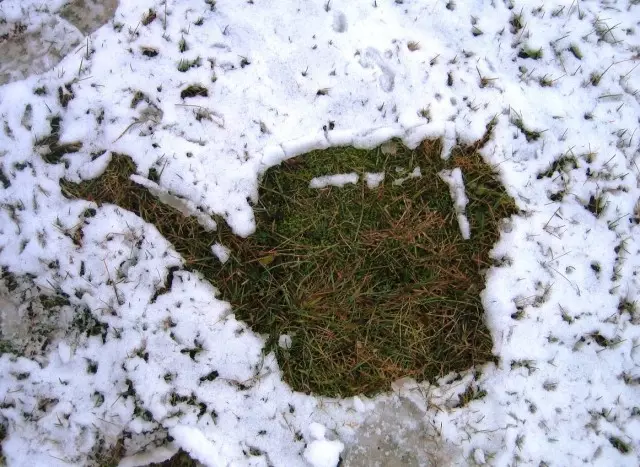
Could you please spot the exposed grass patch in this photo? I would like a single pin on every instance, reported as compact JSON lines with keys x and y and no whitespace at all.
{"x":65,"y":95}
{"x":149,"y":17}
{"x":6,"y":183}
{"x":563,"y":164}
{"x":149,"y":51}
{"x":530,"y":135}
{"x":575,"y":50}
{"x":371,"y":284}
{"x":185,"y":65}
{"x":620,"y":445}
{"x":114,"y":186}
{"x":517,"y":23}
{"x":597,"y":204}
{"x":470,"y":394}
{"x":52,"y":151}
{"x":194,"y":90}
{"x":182,"y":45}
{"x":527,"y":52}
{"x":180,"y":459}
{"x":3,"y":435}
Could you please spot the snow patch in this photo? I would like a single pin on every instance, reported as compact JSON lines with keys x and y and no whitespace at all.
{"x":321,"y":452}
{"x":374,"y":179}
{"x":454,"y":179}
{"x":338,"y":180}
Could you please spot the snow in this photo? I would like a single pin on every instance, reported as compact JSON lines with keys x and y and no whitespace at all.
{"x":333,"y":180}
{"x":285,"y":341}
{"x":374,"y":179}
{"x":560,"y":301}
{"x":64,"y":351}
{"x":197,"y":445}
{"x":221,"y":252}
{"x":453,"y":178}
{"x":322,"y":452}
{"x":478,"y":457}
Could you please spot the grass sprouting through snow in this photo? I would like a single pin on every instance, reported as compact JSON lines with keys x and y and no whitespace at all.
{"x":372,"y":284}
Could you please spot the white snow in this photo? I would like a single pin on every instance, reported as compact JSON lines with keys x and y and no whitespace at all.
{"x":285,"y":341}
{"x":560,"y":301}
{"x":478,"y":456}
{"x":333,"y":180}
{"x":197,"y":445}
{"x":322,"y":452}
{"x":374,"y":179}
{"x":453,"y":178}
{"x":221,"y":252}
{"x":155,"y":455}
{"x":64,"y":351}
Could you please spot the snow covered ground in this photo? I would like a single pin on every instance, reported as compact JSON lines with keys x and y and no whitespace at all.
{"x":560,"y":79}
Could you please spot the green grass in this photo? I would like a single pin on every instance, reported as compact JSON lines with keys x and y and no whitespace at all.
{"x":185,"y":65}
{"x":372,"y":284}
{"x":527,"y":52}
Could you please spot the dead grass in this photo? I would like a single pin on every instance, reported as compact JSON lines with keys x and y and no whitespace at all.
{"x":372,"y":284}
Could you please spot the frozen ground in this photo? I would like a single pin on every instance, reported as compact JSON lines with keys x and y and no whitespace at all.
{"x":560,"y":79}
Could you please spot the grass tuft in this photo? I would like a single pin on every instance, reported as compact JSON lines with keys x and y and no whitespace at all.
{"x":517,"y":23}
{"x":194,"y":90}
{"x":182,"y":45}
{"x":530,"y":135}
{"x":180,"y":459}
{"x":370,"y":284}
{"x":149,"y":51}
{"x":526,"y":52}
{"x":185,"y":65}
{"x":149,"y":17}
{"x":620,"y":445}
{"x":51,"y":149}
{"x":575,"y":50}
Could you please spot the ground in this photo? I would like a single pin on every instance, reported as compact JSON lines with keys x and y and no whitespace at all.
{"x":131,"y":324}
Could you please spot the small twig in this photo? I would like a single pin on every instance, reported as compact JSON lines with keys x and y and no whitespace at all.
{"x":135,"y":122}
